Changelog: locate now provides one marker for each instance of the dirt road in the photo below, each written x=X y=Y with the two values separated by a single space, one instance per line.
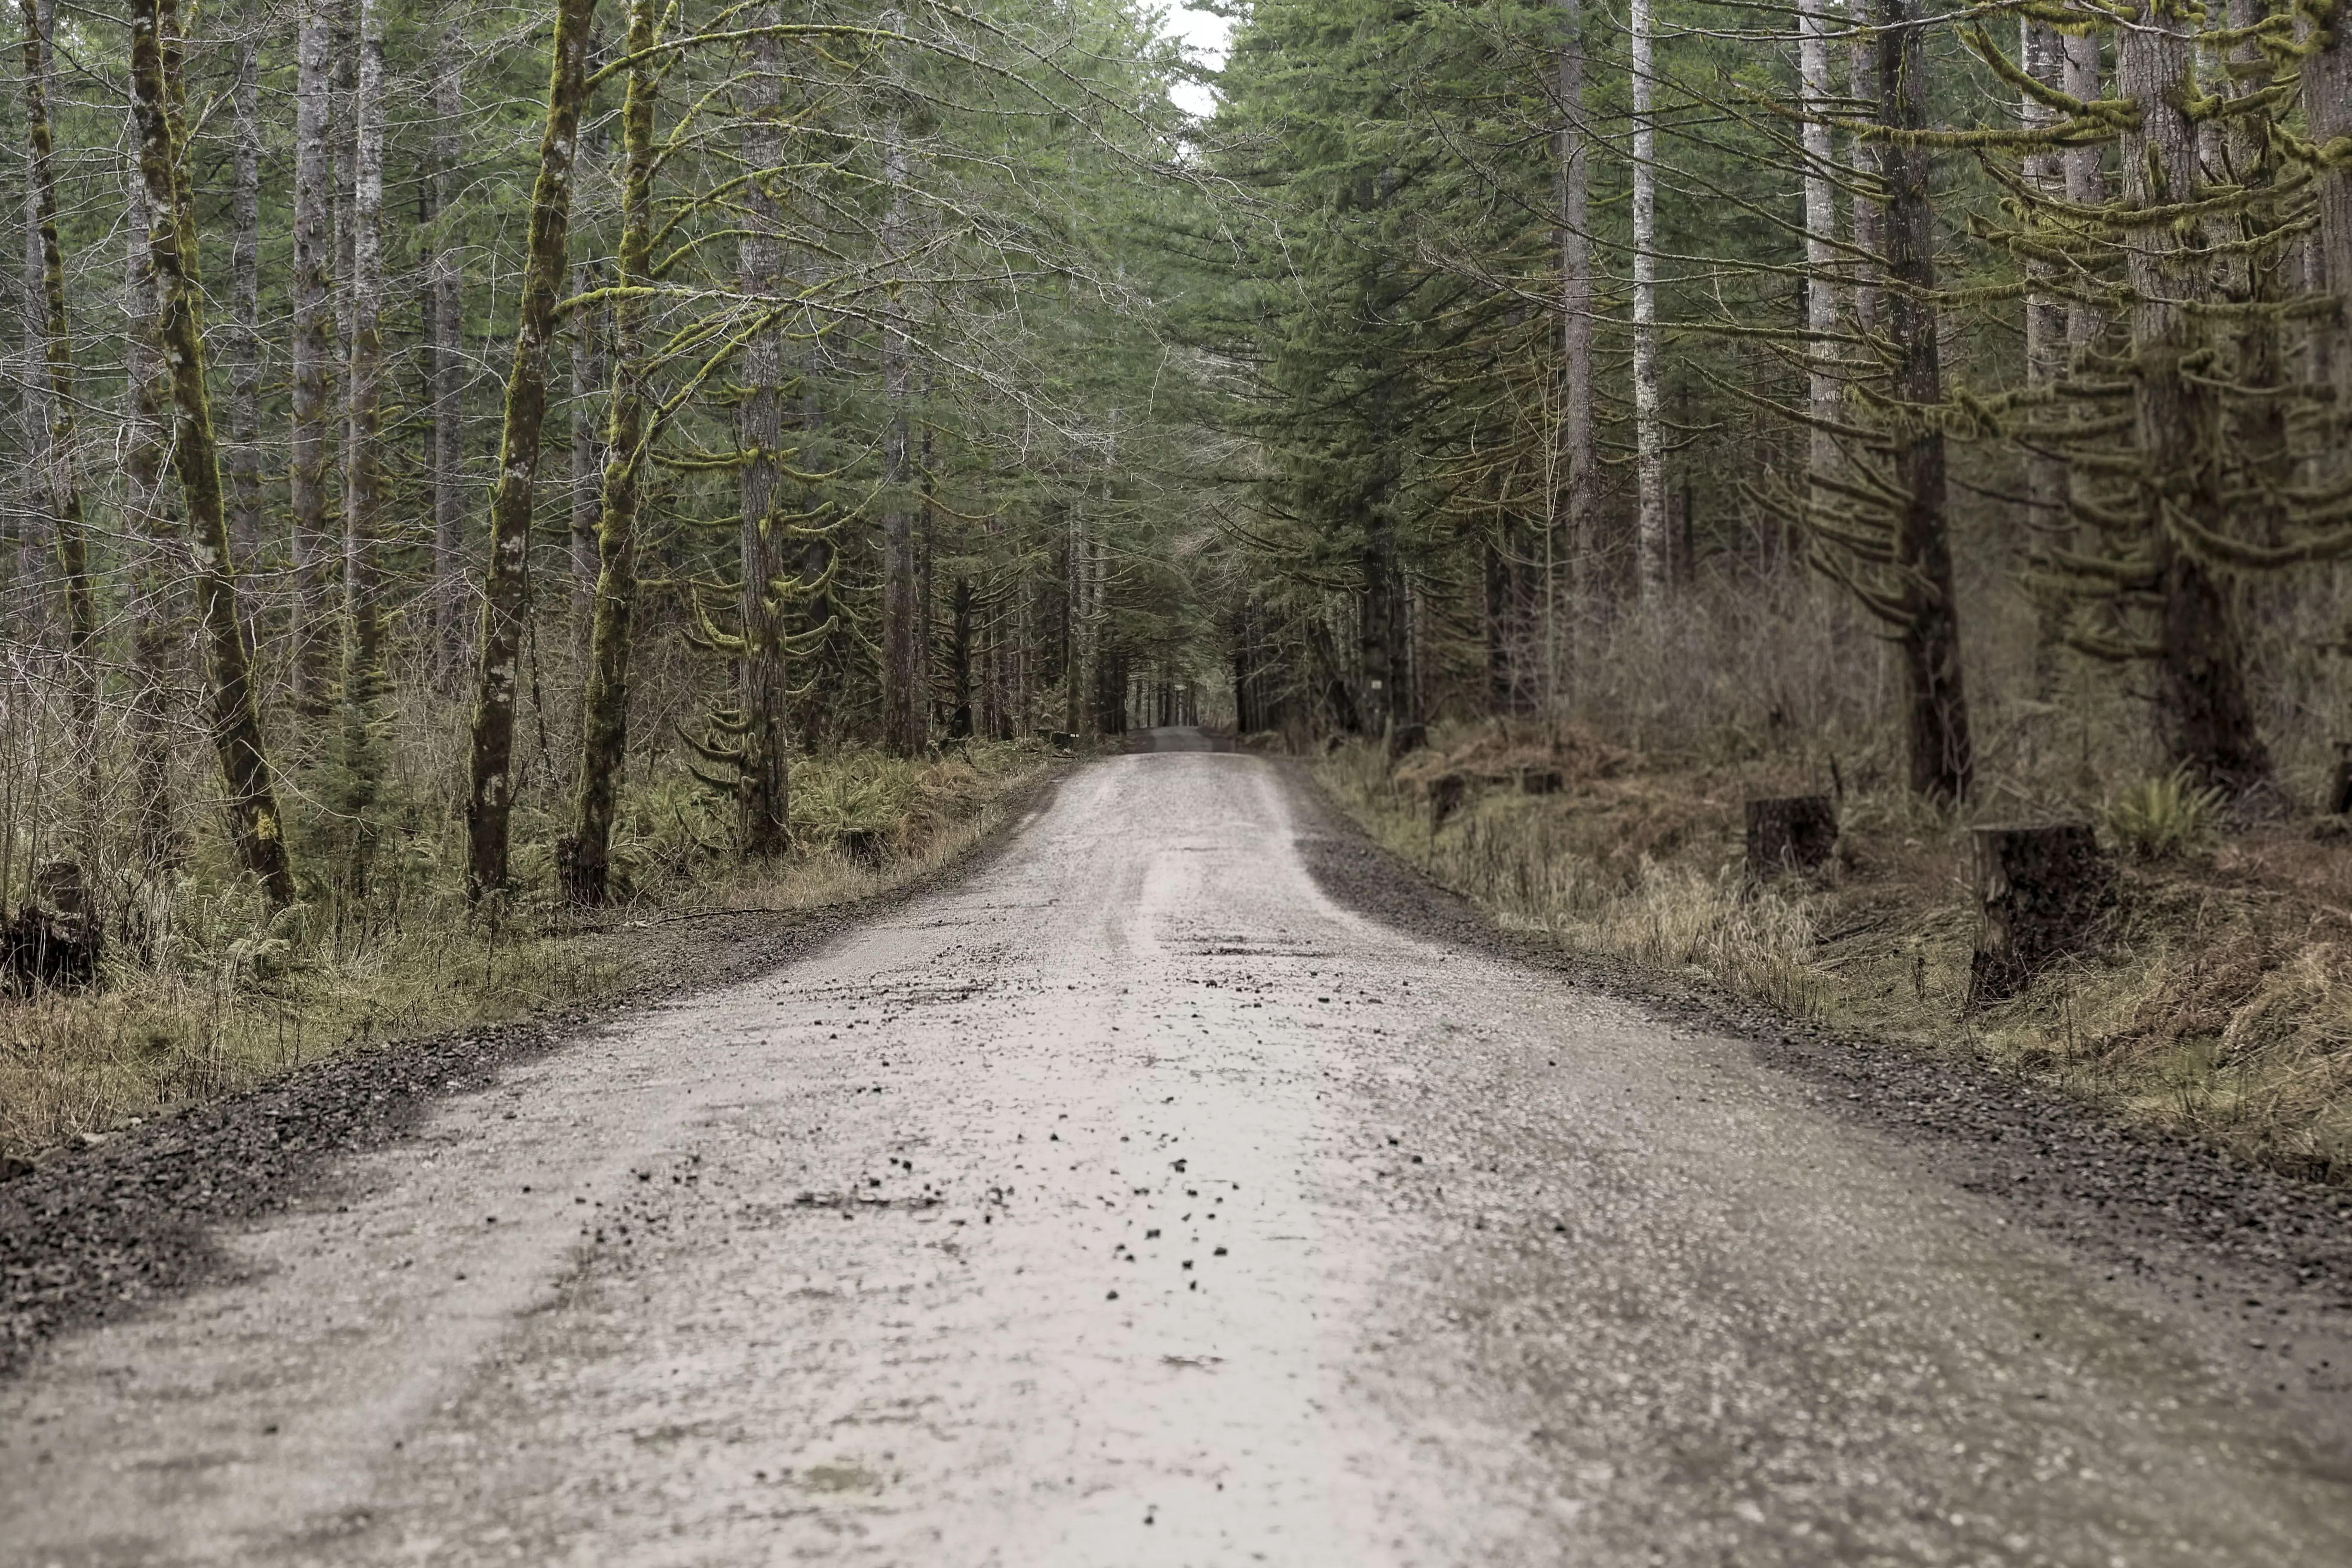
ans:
x=1131 y=1203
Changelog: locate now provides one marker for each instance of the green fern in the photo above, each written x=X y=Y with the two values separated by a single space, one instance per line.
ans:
x=2165 y=818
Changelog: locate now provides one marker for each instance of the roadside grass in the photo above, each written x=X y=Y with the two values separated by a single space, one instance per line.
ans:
x=2217 y=1000
x=221 y=995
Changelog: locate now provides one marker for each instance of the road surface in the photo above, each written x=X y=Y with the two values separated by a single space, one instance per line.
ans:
x=1129 y=1202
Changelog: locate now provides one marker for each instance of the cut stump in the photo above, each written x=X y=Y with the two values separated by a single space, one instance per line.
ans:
x=1789 y=833
x=2040 y=892
x=1446 y=794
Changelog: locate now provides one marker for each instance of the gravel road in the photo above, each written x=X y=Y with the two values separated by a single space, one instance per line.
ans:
x=1130 y=1203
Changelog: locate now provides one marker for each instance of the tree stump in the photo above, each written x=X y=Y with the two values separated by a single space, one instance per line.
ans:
x=2040 y=891
x=1406 y=738
x=53 y=942
x=2339 y=789
x=1446 y=792
x=1539 y=780
x=1791 y=833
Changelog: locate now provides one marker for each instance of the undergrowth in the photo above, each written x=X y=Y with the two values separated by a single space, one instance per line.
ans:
x=204 y=992
x=2218 y=1001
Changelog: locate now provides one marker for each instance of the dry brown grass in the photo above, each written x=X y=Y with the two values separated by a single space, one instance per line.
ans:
x=227 y=998
x=2218 y=1001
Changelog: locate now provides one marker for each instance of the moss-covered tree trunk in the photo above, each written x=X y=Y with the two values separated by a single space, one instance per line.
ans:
x=60 y=480
x=604 y=707
x=2327 y=101
x=311 y=287
x=2203 y=707
x=236 y=712
x=764 y=802
x=1942 y=755
x=506 y=589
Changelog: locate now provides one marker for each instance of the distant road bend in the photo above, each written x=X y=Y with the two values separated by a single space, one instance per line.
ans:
x=1129 y=1202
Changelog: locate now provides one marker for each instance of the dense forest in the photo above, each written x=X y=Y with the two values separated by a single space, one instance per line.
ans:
x=475 y=456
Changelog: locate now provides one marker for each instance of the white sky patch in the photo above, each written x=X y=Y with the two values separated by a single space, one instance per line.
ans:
x=1205 y=37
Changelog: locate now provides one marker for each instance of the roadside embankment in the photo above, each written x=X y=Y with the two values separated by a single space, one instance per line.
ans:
x=2215 y=998
x=218 y=997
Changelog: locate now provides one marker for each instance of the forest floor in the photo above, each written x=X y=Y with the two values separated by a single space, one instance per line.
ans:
x=2216 y=1001
x=223 y=1003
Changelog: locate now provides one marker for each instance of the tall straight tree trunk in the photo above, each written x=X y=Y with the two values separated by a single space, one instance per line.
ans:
x=2042 y=56
x=2202 y=703
x=1869 y=213
x=1815 y=21
x=154 y=577
x=312 y=290
x=1943 y=761
x=1650 y=542
x=589 y=373
x=764 y=803
x=905 y=711
x=1579 y=454
x=2085 y=180
x=506 y=589
x=447 y=306
x=604 y=707
x=235 y=713
x=363 y=679
x=2327 y=101
x=59 y=480
x=245 y=302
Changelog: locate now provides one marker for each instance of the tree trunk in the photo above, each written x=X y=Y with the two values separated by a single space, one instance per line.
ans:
x=363 y=677
x=905 y=711
x=604 y=710
x=311 y=290
x=505 y=588
x=2086 y=183
x=235 y=713
x=1869 y=211
x=1580 y=454
x=2327 y=101
x=1377 y=635
x=1813 y=21
x=1942 y=757
x=2042 y=56
x=2202 y=703
x=1650 y=536
x=589 y=373
x=245 y=301
x=447 y=306
x=59 y=482
x=765 y=803
x=960 y=716
x=154 y=576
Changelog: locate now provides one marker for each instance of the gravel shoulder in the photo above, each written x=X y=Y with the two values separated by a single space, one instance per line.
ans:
x=97 y=1233
x=2258 y=1265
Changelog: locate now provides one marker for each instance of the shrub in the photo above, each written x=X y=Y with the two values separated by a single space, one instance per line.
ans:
x=2163 y=818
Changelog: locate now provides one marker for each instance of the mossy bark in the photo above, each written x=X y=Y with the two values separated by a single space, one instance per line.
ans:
x=1942 y=754
x=236 y=712
x=906 y=707
x=605 y=709
x=2327 y=101
x=506 y=594
x=2204 y=709
x=360 y=762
